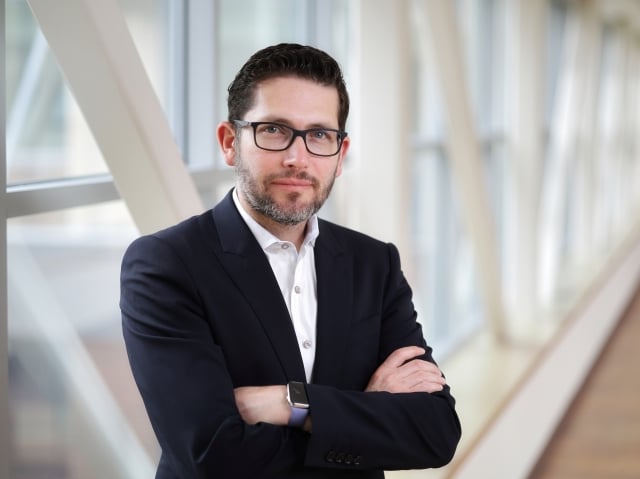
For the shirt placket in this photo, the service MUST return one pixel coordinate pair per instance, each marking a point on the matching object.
(301, 317)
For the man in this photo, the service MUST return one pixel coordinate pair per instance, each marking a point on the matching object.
(267, 342)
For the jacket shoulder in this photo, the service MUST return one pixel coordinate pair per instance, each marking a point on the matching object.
(187, 227)
(186, 234)
(349, 238)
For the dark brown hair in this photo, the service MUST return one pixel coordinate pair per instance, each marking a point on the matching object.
(286, 59)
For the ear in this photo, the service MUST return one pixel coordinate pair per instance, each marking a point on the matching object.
(343, 152)
(226, 134)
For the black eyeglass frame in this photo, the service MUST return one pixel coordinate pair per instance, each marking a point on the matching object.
(341, 135)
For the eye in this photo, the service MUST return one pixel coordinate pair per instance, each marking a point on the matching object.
(271, 129)
(321, 135)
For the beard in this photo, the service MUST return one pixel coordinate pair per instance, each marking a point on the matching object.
(293, 212)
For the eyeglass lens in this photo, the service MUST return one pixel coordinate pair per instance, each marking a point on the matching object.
(272, 136)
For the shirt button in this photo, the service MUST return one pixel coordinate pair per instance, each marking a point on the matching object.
(297, 289)
(285, 245)
(306, 344)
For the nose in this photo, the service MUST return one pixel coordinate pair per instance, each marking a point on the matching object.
(296, 154)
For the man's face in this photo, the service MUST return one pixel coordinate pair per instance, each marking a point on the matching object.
(287, 186)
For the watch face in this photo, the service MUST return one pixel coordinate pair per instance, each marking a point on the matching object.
(297, 395)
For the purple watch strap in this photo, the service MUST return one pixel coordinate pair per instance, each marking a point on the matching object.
(298, 416)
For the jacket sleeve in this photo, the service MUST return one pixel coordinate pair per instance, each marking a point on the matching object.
(362, 430)
(183, 379)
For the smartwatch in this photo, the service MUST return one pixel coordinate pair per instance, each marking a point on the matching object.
(297, 399)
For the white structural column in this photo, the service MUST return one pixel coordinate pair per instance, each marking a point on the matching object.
(584, 230)
(524, 100)
(98, 58)
(379, 127)
(561, 161)
(464, 154)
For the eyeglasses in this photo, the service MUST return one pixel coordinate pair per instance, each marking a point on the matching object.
(277, 137)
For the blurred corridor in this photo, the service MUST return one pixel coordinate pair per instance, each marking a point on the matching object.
(600, 436)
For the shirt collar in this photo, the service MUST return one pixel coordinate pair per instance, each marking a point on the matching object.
(264, 237)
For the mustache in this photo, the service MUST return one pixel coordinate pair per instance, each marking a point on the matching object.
(301, 175)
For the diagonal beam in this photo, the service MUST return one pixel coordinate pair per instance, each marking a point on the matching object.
(464, 154)
(99, 60)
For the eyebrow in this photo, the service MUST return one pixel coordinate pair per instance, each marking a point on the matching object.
(285, 122)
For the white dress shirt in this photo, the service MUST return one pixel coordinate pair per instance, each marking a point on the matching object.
(296, 275)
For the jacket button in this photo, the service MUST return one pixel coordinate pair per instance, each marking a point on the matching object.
(331, 455)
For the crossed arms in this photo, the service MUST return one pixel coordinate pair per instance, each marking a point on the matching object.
(401, 372)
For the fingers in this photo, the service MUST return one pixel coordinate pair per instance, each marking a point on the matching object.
(414, 376)
(420, 377)
(401, 372)
(402, 355)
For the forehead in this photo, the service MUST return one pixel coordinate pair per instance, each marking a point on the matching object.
(295, 100)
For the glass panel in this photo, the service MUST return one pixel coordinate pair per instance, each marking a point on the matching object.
(446, 284)
(446, 281)
(74, 409)
(157, 29)
(46, 134)
(556, 23)
(499, 181)
(246, 26)
(337, 22)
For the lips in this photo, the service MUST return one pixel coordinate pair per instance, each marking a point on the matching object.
(290, 182)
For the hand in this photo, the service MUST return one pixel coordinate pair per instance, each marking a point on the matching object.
(263, 404)
(402, 373)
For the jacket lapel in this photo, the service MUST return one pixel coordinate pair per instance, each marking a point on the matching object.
(248, 267)
(334, 272)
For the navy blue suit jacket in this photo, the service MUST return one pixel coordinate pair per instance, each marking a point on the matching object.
(202, 314)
